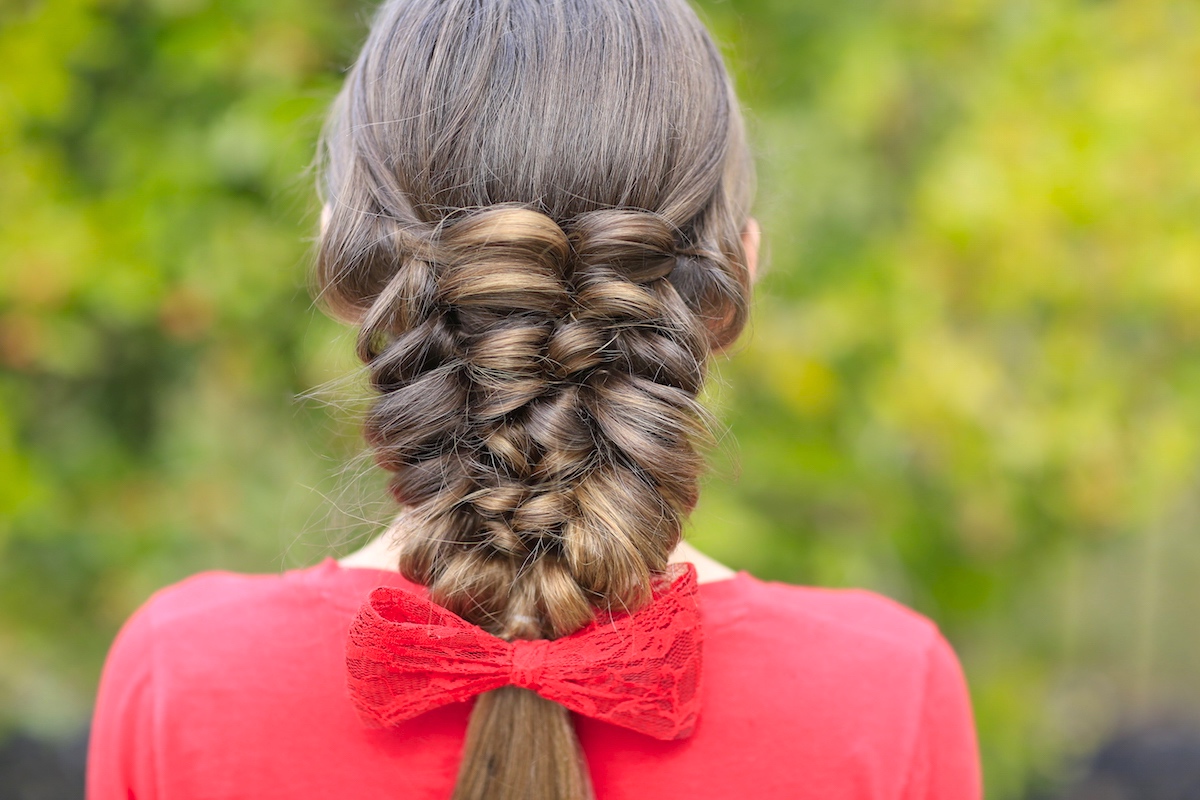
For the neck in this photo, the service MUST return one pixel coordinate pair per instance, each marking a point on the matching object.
(380, 553)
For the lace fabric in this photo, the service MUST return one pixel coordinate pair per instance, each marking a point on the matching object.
(406, 655)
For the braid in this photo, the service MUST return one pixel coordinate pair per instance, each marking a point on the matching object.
(538, 413)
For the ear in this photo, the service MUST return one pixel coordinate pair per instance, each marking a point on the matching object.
(751, 239)
(326, 213)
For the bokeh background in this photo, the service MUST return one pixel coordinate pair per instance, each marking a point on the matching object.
(972, 383)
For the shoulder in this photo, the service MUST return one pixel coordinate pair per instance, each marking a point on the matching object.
(234, 619)
(841, 681)
(888, 676)
(869, 651)
(263, 644)
(848, 659)
(229, 632)
(817, 617)
(157, 644)
(220, 601)
(264, 651)
(206, 595)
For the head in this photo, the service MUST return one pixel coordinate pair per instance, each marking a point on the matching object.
(537, 213)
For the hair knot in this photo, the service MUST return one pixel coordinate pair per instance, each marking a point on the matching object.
(639, 246)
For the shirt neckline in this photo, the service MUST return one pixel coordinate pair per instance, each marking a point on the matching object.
(715, 594)
(331, 563)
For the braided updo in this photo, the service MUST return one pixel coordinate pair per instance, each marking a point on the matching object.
(535, 220)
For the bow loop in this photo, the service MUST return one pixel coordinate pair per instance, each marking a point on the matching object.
(406, 655)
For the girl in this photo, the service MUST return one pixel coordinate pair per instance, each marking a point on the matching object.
(537, 215)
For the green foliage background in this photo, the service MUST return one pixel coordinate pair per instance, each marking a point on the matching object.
(971, 384)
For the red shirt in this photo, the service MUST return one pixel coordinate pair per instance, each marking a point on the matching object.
(227, 685)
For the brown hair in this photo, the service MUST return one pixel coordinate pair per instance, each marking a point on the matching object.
(536, 209)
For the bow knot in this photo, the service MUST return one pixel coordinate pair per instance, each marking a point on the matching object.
(406, 655)
(528, 656)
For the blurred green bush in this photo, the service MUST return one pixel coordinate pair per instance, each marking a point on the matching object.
(971, 384)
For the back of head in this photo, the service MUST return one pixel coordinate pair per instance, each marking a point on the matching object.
(536, 209)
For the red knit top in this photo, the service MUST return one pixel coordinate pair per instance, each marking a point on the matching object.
(228, 685)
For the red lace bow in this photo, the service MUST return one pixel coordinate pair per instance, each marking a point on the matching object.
(406, 656)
